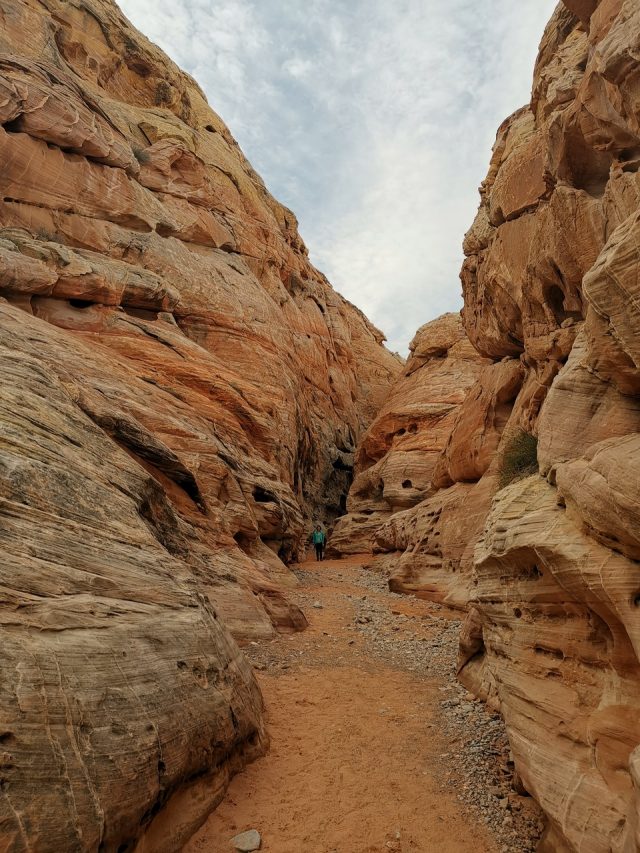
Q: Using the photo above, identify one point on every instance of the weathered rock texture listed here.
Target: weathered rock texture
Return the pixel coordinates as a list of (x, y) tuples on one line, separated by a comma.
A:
[(551, 567), (422, 469), (552, 275), (181, 394), (398, 455)]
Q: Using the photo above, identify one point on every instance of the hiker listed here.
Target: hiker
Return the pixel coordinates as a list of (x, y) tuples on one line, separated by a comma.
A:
[(319, 540)]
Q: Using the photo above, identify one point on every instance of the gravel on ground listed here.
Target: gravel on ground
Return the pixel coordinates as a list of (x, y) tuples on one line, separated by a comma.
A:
[(357, 624)]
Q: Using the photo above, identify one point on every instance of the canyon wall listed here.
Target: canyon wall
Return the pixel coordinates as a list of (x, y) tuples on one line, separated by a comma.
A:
[(396, 503), (531, 517), (552, 259), (181, 395)]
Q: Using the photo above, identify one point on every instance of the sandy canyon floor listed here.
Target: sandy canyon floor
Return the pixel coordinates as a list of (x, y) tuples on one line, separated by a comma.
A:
[(374, 746)]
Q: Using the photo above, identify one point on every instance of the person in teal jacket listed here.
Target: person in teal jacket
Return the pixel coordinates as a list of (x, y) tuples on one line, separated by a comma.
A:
[(319, 541)]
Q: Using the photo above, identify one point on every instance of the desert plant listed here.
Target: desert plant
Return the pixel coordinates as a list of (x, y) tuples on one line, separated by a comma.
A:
[(162, 93), (141, 154), (131, 45), (519, 458)]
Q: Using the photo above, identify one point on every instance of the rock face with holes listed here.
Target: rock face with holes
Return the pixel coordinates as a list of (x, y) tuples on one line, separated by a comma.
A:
[(181, 396), (547, 565), (552, 637), (399, 453)]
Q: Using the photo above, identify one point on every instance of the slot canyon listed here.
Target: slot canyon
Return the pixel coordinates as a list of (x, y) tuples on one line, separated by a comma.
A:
[(184, 396)]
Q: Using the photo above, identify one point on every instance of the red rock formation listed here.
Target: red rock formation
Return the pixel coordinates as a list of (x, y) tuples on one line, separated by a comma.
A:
[(181, 394), (549, 569), (398, 454), (552, 639)]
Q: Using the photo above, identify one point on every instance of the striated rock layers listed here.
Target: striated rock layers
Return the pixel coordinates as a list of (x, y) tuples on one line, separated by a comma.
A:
[(551, 565), (181, 393), (403, 499), (552, 278)]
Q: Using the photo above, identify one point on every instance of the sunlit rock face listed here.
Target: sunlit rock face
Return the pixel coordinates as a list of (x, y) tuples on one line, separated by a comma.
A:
[(181, 395), (548, 565)]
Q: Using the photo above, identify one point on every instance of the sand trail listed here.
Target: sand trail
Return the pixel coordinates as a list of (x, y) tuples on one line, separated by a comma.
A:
[(357, 761)]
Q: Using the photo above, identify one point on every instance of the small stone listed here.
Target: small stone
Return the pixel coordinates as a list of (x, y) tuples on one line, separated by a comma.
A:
[(248, 841), (317, 605)]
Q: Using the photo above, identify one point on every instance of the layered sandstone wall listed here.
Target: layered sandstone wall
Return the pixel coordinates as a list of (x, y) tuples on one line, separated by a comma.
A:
[(549, 565), (398, 455), (553, 256), (182, 392)]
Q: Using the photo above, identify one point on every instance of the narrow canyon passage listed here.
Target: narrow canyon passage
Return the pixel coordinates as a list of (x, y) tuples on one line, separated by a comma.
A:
[(372, 742)]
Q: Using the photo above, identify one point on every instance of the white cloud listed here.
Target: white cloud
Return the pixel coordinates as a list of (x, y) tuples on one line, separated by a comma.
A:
[(297, 67), (372, 119)]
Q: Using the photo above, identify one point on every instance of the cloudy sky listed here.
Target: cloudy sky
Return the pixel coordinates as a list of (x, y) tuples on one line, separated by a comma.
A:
[(373, 120)]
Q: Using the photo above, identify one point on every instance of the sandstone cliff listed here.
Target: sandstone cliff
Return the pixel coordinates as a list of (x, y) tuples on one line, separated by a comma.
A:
[(549, 567), (395, 504), (181, 394), (554, 634)]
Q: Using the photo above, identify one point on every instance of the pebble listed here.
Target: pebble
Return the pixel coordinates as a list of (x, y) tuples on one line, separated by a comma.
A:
[(247, 841)]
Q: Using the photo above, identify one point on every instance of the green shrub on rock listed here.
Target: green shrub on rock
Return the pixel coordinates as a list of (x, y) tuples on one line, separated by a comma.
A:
[(519, 458)]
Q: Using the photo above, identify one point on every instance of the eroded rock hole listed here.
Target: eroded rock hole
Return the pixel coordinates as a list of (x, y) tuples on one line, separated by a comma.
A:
[(407, 484), (262, 496), (584, 167), (553, 653), (629, 159), (242, 540), (14, 126), (140, 313), (341, 464), (554, 297), (81, 303)]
